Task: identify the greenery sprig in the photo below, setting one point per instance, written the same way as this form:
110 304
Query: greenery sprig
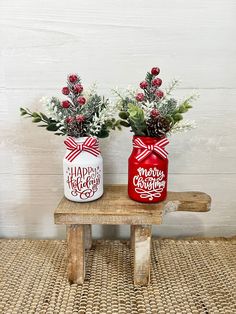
48 123
80 115
153 112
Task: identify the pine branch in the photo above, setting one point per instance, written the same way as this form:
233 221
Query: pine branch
191 98
115 91
169 89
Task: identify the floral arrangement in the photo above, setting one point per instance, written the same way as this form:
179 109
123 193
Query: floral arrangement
82 114
151 112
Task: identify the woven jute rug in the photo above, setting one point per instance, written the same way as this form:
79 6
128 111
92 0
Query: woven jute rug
187 276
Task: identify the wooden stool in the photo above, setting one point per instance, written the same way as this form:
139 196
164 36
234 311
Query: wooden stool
115 208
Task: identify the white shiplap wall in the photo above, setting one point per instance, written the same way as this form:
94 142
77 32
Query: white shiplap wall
115 43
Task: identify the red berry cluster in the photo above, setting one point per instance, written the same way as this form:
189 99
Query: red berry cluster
150 86
79 118
74 90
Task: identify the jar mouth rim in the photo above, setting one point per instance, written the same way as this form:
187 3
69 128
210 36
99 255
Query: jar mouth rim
82 138
149 137
143 136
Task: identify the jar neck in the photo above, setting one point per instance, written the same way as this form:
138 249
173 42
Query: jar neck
81 139
148 140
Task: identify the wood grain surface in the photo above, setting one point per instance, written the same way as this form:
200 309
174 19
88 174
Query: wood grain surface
142 235
115 207
76 253
114 44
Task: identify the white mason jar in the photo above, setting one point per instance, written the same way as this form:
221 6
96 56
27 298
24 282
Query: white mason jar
83 176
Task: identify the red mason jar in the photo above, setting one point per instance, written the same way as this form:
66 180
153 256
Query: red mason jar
148 169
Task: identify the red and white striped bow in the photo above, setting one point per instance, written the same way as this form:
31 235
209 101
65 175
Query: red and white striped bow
157 148
90 145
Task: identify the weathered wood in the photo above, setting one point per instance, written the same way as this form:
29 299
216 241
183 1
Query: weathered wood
105 20
76 253
28 166
87 236
115 207
132 237
27 149
142 250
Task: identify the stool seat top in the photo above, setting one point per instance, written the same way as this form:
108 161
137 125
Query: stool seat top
115 207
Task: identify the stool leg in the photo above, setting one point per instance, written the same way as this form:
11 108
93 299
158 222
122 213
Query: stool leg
142 250
88 236
132 228
76 253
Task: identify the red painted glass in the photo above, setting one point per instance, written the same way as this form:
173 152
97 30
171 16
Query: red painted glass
147 179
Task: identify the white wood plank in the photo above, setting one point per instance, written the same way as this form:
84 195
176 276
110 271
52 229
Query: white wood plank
114 43
208 149
187 39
